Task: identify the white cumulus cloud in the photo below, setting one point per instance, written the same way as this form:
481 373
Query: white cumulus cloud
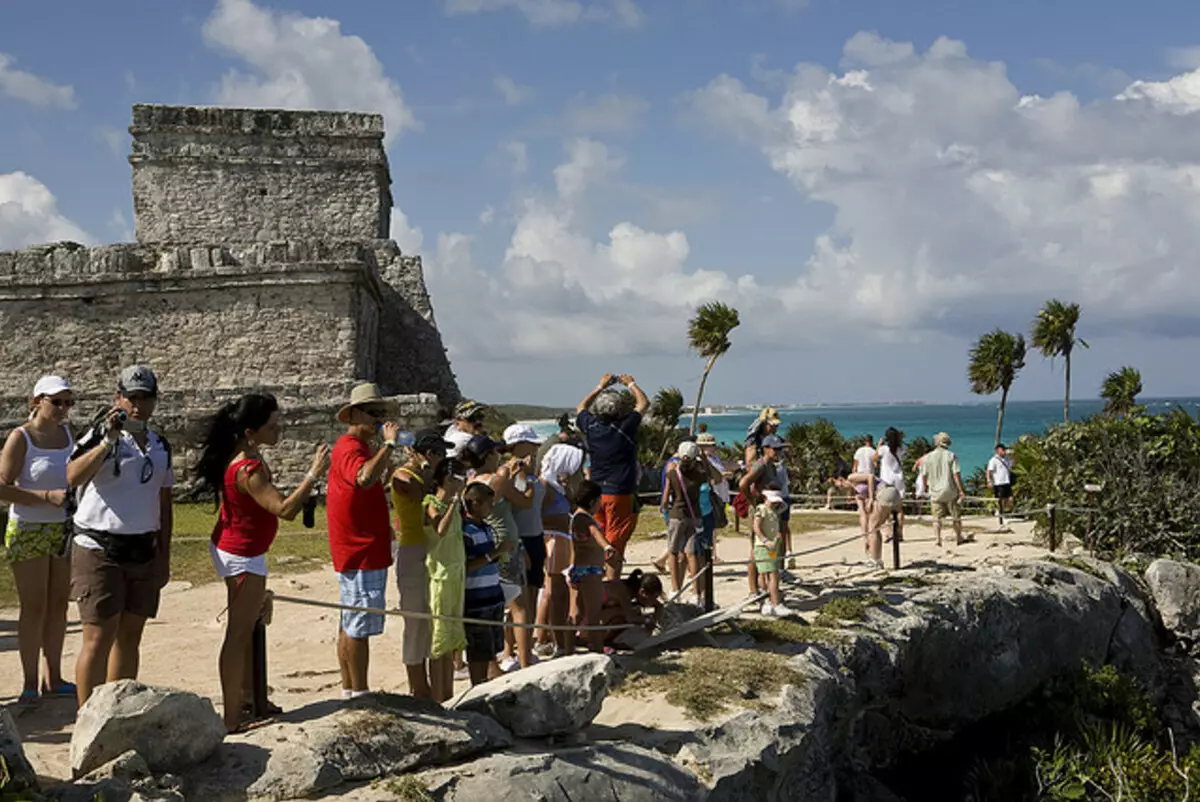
28 87
552 13
300 62
958 200
514 94
29 215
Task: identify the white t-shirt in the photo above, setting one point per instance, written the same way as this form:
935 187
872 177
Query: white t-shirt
999 470
891 470
459 438
864 460
123 504
721 488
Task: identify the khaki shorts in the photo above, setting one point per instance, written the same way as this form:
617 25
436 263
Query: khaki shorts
942 509
412 582
103 587
887 497
679 532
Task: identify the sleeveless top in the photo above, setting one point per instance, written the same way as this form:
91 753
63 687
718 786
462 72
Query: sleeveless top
44 469
529 520
410 515
586 550
243 526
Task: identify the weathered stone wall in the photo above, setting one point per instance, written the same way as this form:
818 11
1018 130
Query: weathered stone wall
212 174
260 263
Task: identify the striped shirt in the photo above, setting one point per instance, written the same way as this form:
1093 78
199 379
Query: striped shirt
483 583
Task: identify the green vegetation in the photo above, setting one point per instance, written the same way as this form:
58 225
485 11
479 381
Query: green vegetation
1054 335
995 360
788 631
708 336
705 682
405 788
815 449
846 608
906 581
1120 391
1148 467
1095 735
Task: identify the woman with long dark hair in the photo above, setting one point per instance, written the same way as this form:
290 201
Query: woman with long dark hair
232 467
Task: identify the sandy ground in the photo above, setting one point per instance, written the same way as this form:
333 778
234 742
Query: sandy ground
180 647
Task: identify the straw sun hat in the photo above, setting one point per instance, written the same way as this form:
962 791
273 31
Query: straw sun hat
366 394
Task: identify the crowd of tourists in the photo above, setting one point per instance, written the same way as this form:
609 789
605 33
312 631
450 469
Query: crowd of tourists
505 551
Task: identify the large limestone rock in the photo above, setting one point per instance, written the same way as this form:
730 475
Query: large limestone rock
322 745
22 777
610 771
1176 590
170 729
557 697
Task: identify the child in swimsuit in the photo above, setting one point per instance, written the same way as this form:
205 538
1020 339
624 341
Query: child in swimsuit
586 574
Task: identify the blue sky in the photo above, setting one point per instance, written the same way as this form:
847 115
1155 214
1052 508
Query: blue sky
872 183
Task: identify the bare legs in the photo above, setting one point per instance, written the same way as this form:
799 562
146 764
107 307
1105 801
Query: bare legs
353 656
43 586
109 652
245 593
585 609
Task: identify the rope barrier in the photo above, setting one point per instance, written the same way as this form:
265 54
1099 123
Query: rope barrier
460 619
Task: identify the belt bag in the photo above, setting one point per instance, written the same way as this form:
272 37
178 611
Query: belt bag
138 549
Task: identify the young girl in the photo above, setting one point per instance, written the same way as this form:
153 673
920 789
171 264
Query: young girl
768 548
624 600
447 566
586 574
562 466
232 467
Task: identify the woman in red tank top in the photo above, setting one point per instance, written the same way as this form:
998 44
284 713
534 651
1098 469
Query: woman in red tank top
231 466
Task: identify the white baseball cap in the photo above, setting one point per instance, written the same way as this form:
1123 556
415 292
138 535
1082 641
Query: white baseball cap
50 385
688 449
521 433
773 497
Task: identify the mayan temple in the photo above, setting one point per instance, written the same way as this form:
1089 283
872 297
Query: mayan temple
262 261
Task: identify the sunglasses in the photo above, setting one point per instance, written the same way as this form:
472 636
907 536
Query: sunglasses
375 412
62 403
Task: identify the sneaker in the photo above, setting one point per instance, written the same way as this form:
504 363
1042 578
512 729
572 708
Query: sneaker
509 664
879 565
787 576
766 608
781 611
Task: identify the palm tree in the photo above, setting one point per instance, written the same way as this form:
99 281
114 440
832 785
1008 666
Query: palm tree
708 335
1054 335
666 409
996 359
1120 390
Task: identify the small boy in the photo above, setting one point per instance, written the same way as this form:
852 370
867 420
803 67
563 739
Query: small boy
484 597
768 549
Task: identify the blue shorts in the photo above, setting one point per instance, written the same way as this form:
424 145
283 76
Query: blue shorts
363 588
785 515
701 542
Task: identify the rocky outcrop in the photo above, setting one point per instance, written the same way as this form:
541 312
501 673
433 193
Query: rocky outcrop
170 729
21 775
557 697
323 745
126 779
1176 590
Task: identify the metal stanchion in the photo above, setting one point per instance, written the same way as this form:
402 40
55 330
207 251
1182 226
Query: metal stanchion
1050 512
895 540
258 655
709 605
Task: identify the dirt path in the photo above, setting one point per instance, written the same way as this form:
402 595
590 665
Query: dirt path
180 647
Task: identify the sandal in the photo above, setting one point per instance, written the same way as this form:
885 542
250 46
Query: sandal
247 726
61 691
272 710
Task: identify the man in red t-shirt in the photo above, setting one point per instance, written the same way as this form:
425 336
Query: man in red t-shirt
360 532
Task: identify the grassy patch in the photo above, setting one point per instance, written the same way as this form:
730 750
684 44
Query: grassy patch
904 581
784 630
846 608
405 788
300 549
705 682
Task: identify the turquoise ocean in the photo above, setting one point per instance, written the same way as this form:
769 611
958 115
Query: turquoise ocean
972 427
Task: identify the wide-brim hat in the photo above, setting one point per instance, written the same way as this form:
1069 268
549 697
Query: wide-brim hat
363 394
706 439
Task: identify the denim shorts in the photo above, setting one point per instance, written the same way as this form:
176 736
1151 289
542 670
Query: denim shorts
363 588
484 642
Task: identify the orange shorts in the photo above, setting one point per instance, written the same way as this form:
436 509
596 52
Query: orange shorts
617 520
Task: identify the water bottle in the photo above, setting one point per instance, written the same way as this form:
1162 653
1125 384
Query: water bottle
310 509
405 439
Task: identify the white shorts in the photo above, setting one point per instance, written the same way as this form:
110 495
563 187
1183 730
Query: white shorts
228 565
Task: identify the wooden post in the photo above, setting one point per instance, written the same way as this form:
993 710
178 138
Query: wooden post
259 661
895 540
1050 512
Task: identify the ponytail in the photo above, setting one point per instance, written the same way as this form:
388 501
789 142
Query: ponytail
225 431
633 582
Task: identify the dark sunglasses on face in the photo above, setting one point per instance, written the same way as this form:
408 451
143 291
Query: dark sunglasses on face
62 403
374 412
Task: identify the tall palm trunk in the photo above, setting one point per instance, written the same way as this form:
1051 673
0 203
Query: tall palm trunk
1067 397
700 394
1000 415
